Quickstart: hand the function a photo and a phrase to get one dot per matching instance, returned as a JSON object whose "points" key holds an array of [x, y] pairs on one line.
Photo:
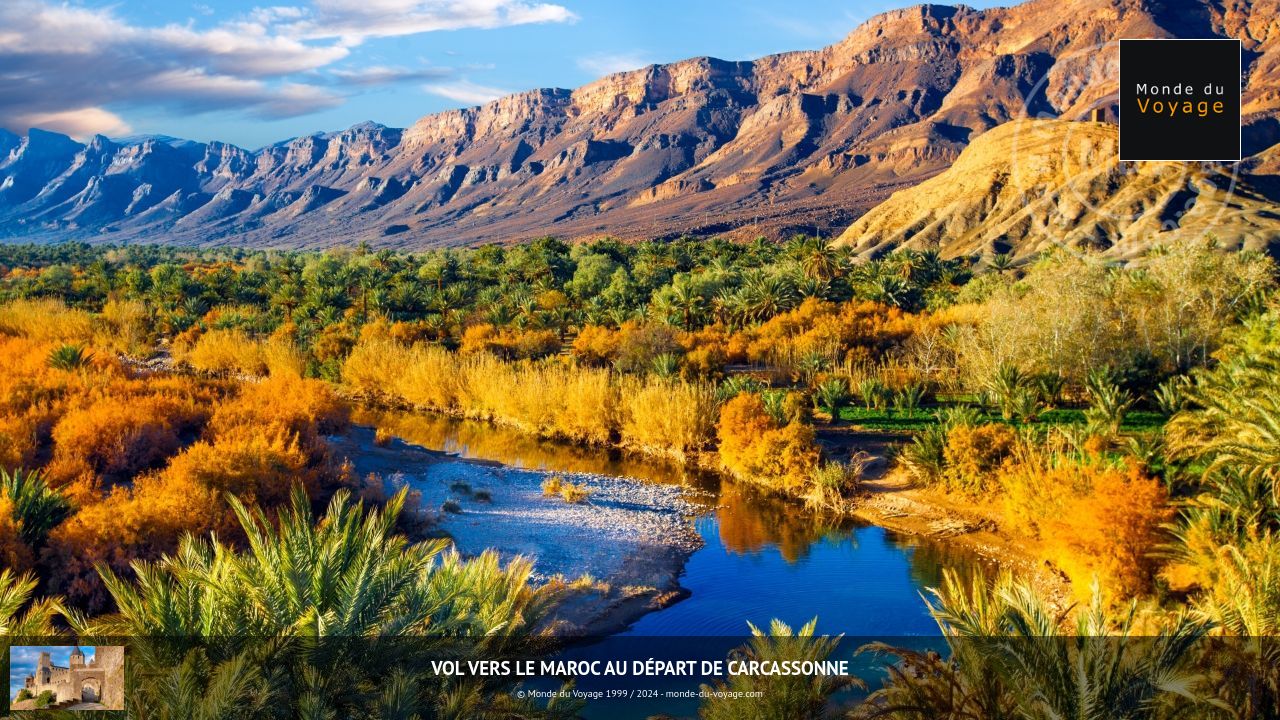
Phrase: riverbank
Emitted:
{"points": [[619, 553], [891, 502], [886, 497]]}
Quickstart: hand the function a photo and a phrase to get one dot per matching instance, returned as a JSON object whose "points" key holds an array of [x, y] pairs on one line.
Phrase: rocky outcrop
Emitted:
{"points": [[801, 141], [1029, 185]]}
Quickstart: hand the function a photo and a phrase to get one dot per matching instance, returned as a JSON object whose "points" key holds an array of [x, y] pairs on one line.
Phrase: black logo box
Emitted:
{"points": [[1189, 64]]}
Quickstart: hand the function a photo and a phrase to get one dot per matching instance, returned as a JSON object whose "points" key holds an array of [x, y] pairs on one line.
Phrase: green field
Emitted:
{"points": [[894, 420]]}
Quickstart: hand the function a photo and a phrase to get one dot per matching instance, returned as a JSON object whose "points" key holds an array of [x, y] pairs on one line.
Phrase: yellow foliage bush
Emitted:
{"points": [[842, 333], [128, 524], [509, 343], [595, 346], [754, 448], [545, 398], [233, 351], [974, 452], [587, 403], [223, 351], [282, 357], [1035, 493], [114, 438], [19, 437], [286, 407], [707, 351], [257, 467], [257, 444], [14, 553], [45, 320], [124, 326]]}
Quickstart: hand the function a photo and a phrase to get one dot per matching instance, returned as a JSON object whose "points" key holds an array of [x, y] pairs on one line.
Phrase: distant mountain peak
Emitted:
{"points": [[803, 141]]}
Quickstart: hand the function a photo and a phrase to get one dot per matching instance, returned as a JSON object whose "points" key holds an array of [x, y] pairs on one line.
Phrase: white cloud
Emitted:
{"points": [[465, 91], [78, 66], [355, 20], [609, 63], [80, 123], [384, 75]]}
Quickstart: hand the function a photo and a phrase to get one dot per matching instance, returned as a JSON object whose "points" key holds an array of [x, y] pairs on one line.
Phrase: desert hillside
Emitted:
{"points": [[1029, 185]]}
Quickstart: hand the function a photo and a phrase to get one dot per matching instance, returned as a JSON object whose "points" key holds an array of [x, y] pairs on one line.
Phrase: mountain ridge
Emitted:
{"points": [[799, 141]]}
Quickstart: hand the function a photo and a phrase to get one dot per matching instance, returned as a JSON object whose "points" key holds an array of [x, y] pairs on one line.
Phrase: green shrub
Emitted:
{"points": [[1108, 402], [908, 399], [830, 395], [874, 394], [37, 507], [69, 357]]}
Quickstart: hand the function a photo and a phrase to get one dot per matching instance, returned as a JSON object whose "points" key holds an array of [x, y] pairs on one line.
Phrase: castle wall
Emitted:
{"points": [[106, 674]]}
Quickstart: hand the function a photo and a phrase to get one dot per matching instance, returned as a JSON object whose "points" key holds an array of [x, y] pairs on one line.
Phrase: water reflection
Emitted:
{"points": [[482, 441], [744, 520], [749, 521], [763, 558]]}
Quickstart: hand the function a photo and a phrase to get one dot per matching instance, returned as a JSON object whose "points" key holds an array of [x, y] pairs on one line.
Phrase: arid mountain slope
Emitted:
{"points": [[797, 141], [1031, 184]]}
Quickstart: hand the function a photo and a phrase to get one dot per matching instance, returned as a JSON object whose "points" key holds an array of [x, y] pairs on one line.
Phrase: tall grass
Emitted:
{"points": [[48, 320], [547, 398], [668, 417], [122, 326], [232, 351]]}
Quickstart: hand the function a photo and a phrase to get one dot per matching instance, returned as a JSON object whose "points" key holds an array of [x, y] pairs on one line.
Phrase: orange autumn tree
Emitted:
{"points": [[1094, 519], [1112, 532]]}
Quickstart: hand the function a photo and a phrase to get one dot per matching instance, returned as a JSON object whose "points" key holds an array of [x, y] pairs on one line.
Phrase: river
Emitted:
{"points": [[761, 558]]}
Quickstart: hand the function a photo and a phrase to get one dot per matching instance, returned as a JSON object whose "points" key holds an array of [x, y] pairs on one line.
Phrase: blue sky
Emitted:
{"points": [[23, 660], [252, 72]]}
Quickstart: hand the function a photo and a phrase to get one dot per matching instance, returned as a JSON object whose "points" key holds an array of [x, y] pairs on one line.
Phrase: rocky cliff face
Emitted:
{"points": [[797, 141]]}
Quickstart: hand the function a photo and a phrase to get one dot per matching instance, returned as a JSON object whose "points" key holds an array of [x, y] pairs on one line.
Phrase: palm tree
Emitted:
{"points": [[727, 305], [20, 616], [1010, 658], [69, 357], [1001, 263], [819, 259], [1244, 604], [766, 295], [1236, 420], [36, 506], [682, 301], [1007, 389], [23, 619], [830, 395], [1108, 402], [794, 697], [326, 610]]}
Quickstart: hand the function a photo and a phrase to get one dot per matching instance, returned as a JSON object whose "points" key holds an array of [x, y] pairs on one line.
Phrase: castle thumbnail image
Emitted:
{"points": [[92, 680]]}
